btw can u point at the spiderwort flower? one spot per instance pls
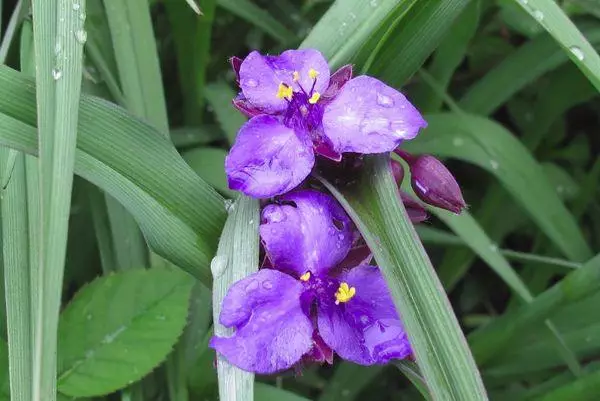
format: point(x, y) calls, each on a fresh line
point(308, 306)
point(299, 110)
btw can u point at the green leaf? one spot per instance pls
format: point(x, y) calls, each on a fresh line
point(501, 154)
point(549, 15)
point(209, 164)
point(133, 163)
point(437, 340)
point(586, 388)
point(236, 258)
point(252, 13)
point(411, 371)
point(219, 95)
point(120, 327)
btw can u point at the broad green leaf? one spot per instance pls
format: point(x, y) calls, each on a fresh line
point(136, 165)
point(236, 258)
point(120, 327)
point(209, 164)
point(438, 343)
point(501, 154)
point(549, 15)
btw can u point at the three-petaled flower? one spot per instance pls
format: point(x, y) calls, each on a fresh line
point(309, 305)
point(298, 110)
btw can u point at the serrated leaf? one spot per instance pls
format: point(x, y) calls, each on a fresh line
point(119, 328)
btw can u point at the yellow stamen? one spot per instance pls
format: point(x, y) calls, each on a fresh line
point(305, 276)
point(314, 98)
point(296, 76)
point(312, 73)
point(284, 92)
point(344, 293)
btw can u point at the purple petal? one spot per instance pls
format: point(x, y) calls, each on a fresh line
point(245, 107)
point(337, 80)
point(367, 329)
point(368, 116)
point(416, 212)
point(272, 332)
point(314, 235)
point(260, 76)
point(268, 158)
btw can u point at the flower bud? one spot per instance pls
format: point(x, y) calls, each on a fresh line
point(244, 106)
point(397, 171)
point(336, 81)
point(435, 185)
point(236, 63)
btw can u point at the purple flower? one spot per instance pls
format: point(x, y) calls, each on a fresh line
point(298, 110)
point(308, 305)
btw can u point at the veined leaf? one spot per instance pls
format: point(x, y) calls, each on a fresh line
point(120, 327)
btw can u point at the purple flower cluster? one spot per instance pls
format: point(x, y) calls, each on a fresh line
point(310, 304)
point(318, 295)
point(298, 110)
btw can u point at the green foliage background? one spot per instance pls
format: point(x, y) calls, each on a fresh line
point(120, 236)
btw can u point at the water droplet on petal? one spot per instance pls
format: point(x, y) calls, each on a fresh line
point(251, 286)
point(364, 319)
point(252, 83)
point(81, 36)
point(267, 285)
point(56, 73)
point(384, 100)
point(577, 52)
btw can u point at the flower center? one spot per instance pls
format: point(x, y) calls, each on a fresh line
point(344, 293)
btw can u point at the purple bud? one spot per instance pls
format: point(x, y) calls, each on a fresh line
point(416, 212)
point(336, 81)
point(236, 63)
point(397, 171)
point(434, 184)
point(244, 106)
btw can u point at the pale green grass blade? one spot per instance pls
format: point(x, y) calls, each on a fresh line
point(252, 13)
point(579, 284)
point(411, 371)
point(102, 229)
point(236, 258)
point(264, 392)
point(15, 235)
point(437, 340)
point(58, 39)
point(522, 67)
point(501, 154)
point(549, 15)
point(11, 29)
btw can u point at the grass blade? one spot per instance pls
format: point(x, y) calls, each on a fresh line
point(236, 258)
point(58, 41)
point(437, 340)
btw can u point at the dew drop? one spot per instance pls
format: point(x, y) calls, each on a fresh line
point(252, 285)
point(267, 285)
point(89, 317)
point(352, 16)
point(538, 15)
point(494, 248)
point(76, 6)
point(161, 317)
point(229, 205)
point(218, 265)
point(56, 73)
point(82, 16)
point(494, 164)
point(577, 52)
point(58, 47)
point(458, 141)
point(364, 319)
point(81, 36)
point(384, 100)
point(373, 3)
point(252, 83)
